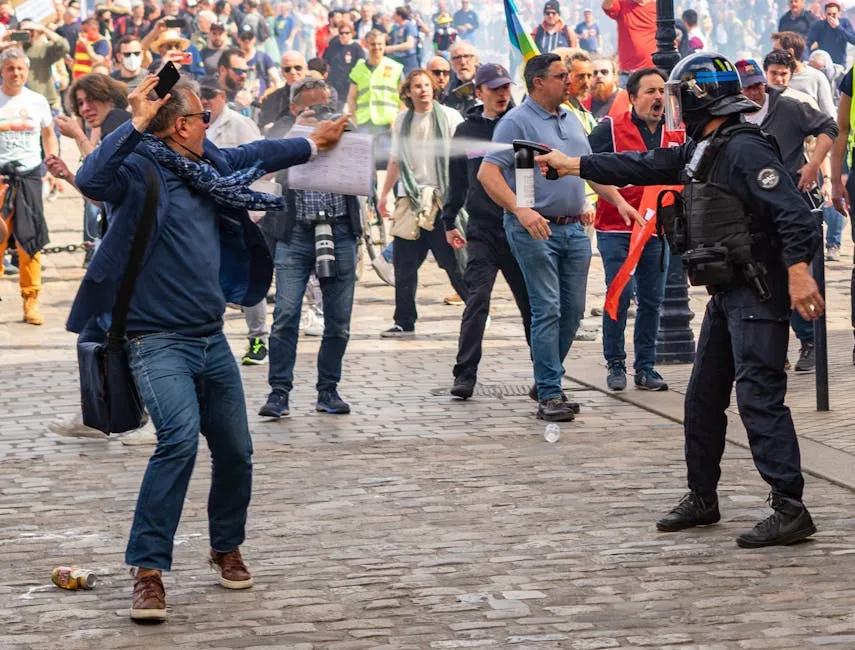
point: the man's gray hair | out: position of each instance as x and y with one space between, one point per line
306 84
13 53
177 106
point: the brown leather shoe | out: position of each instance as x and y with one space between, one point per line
149 600
232 570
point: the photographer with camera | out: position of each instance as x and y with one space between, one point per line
316 231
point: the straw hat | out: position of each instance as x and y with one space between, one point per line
169 36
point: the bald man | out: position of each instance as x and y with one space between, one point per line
277 104
440 73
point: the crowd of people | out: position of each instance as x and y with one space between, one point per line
416 80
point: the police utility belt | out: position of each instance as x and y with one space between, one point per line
711 228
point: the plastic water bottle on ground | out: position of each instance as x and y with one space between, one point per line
552 432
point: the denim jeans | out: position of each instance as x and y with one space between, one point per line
650 288
556 276
294 261
189 385
833 226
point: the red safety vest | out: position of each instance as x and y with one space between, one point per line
626 137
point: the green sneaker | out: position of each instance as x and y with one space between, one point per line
256 353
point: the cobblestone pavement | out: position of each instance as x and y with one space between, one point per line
415 522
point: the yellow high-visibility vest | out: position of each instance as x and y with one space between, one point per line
377 100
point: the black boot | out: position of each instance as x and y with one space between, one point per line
463 387
693 510
790 523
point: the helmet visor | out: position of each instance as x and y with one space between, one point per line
673 107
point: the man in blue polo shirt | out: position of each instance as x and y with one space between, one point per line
549 240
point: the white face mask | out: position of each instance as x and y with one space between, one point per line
132 63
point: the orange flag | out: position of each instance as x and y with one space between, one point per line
637 241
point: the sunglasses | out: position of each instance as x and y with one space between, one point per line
208 93
604 72
240 71
287 68
205 115
173 46
345 33
550 13
437 73
128 55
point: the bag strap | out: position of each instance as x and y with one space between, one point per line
138 247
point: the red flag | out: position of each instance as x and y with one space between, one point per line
637 241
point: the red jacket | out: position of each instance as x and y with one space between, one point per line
626 137
636 33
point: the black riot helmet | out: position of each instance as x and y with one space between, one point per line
702 86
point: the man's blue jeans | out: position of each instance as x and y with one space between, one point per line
294 261
556 276
189 385
650 287
833 226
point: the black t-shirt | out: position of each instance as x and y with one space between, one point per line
845 85
113 121
341 59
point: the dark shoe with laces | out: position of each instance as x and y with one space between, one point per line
232 570
789 523
276 406
463 387
649 379
329 401
149 599
574 406
555 409
693 510
807 359
398 332
616 377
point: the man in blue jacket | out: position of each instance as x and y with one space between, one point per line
204 250
832 34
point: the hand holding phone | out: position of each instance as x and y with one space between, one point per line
174 23
167 78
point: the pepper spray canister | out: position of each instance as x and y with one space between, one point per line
524 153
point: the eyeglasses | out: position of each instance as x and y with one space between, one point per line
240 71
296 68
560 75
437 73
604 72
462 57
205 115
128 55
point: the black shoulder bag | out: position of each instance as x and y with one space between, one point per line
108 394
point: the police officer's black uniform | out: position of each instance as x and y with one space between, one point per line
734 180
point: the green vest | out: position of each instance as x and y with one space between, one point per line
377 100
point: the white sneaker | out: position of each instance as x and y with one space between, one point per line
74 428
145 435
315 326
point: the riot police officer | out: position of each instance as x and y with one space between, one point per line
746 234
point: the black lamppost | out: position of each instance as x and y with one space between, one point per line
675 342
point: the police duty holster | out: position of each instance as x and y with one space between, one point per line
710 227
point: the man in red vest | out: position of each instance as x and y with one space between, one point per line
639 130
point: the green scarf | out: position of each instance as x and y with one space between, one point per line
440 135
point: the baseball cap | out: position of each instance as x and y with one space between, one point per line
552 5
493 75
587 10
749 72
219 26
246 32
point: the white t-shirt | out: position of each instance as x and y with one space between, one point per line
22 119
758 116
422 144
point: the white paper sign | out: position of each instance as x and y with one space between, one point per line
346 169
36 10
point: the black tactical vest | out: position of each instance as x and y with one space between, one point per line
709 226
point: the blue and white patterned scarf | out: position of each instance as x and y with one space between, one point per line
229 192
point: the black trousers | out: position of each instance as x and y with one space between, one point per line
743 340
488 253
407 258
